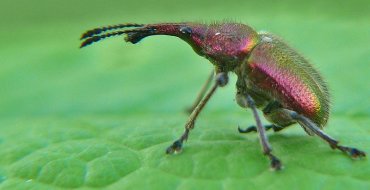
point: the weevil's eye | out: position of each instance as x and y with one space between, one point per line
186 30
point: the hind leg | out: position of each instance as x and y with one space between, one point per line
309 125
311 128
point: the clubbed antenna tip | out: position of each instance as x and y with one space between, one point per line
96 31
93 39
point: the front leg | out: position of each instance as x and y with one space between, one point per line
201 94
221 80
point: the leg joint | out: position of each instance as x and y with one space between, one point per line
222 79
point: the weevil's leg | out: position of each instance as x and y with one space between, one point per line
201 93
221 80
266 147
307 123
271 112
253 128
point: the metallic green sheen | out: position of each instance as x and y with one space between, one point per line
277 72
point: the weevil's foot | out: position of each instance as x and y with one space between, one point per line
275 163
356 153
175 148
353 152
247 130
254 128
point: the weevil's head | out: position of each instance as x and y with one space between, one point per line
225 44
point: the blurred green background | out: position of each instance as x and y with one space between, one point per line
101 117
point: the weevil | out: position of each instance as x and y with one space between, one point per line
271 77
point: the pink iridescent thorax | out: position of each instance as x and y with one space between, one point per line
286 87
229 42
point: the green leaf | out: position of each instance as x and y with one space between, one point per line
103 116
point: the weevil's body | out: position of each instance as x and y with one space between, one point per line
274 72
266 67
269 70
271 76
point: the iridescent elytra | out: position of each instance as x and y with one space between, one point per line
272 77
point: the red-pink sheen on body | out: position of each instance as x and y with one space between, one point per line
288 88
